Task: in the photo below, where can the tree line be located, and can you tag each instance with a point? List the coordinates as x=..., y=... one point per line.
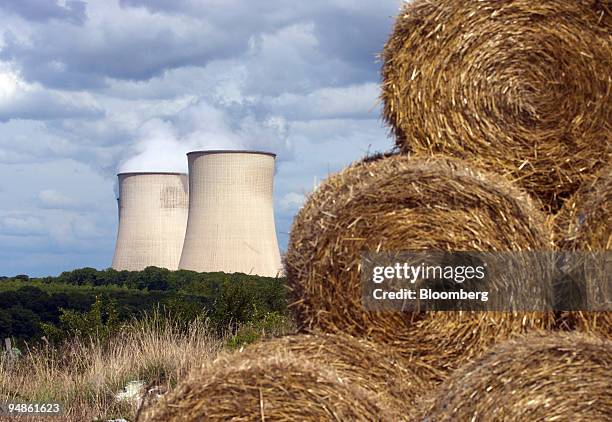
x=53, y=307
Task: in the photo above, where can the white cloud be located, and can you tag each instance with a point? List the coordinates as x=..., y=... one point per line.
x=50, y=198
x=22, y=100
x=351, y=101
x=290, y=60
x=8, y=85
x=21, y=224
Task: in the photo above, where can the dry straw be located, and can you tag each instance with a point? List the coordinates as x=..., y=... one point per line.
x=402, y=203
x=271, y=387
x=585, y=221
x=538, y=378
x=585, y=224
x=523, y=86
x=366, y=364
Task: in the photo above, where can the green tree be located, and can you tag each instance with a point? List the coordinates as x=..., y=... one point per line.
x=6, y=323
x=99, y=322
x=25, y=323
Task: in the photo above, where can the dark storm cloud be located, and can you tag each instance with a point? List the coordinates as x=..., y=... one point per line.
x=69, y=59
x=349, y=31
x=127, y=44
x=355, y=38
x=45, y=10
x=138, y=46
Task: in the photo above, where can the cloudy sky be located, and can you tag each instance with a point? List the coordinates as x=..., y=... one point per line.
x=91, y=88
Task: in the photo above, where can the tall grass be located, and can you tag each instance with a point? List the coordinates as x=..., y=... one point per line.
x=85, y=375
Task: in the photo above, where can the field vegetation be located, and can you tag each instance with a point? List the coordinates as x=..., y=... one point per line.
x=85, y=301
x=81, y=338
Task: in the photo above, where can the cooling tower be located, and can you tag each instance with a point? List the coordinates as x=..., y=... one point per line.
x=231, y=214
x=152, y=220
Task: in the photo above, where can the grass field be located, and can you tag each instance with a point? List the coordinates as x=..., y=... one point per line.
x=85, y=376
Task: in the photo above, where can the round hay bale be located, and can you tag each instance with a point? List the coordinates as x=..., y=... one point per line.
x=274, y=387
x=408, y=204
x=523, y=86
x=585, y=224
x=368, y=365
x=585, y=221
x=553, y=378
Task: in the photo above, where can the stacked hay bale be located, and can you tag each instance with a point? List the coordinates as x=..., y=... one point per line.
x=417, y=204
x=518, y=93
x=374, y=368
x=276, y=386
x=585, y=224
x=521, y=86
x=585, y=221
x=495, y=101
x=552, y=377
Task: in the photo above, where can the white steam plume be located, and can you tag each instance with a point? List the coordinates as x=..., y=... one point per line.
x=162, y=144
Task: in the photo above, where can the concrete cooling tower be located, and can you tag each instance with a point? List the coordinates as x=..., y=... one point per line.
x=152, y=220
x=231, y=214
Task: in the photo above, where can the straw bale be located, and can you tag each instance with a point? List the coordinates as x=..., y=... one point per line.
x=409, y=204
x=377, y=369
x=556, y=377
x=270, y=387
x=585, y=221
x=585, y=224
x=523, y=86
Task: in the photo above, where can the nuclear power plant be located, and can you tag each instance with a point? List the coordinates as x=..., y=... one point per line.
x=222, y=221
x=152, y=220
x=231, y=214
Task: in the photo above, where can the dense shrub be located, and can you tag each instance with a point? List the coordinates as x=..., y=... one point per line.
x=76, y=302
